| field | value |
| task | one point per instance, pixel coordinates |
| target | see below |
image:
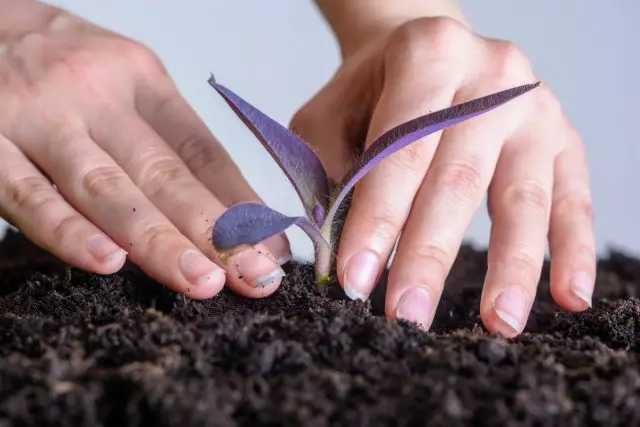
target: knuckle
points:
(510, 63)
(433, 257)
(411, 158)
(301, 119)
(97, 65)
(199, 152)
(30, 193)
(161, 172)
(64, 227)
(576, 206)
(158, 235)
(463, 180)
(587, 249)
(103, 181)
(548, 104)
(524, 265)
(387, 222)
(529, 195)
(422, 38)
(143, 59)
(61, 20)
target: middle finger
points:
(444, 206)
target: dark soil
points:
(83, 350)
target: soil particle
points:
(78, 349)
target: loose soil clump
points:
(79, 349)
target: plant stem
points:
(323, 264)
(323, 253)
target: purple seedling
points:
(246, 224)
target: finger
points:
(182, 198)
(29, 201)
(98, 188)
(382, 200)
(176, 123)
(519, 205)
(170, 185)
(448, 198)
(336, 120)
(571, 234)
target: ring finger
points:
(444, 206)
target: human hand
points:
(136, 172)
(527, 156)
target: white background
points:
(277, 53)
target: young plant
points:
(250, 223)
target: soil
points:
(85, 350)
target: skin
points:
(137, 175)
(405, 59)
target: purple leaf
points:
(251, 223)
(413, 130)
(296, 159)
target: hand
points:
(525, 154)
(136, 172)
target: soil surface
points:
(78, 349)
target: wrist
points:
(357, 23)
(23, 16)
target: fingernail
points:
(198, 269)
(257, 269)
(278, 245)
(582, 286)
(105, 250)
(360, 275)
(416, 305)
(510, 307)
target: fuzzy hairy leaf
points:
(416, 129)
(251, 223)
(296, 159)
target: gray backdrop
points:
(277, 53)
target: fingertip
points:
(360, 274)
(207, 286)
(201, 278)
(506, 311)
(261, 292)
(416, 305)
(573, 290)
(107, 257)
(254, 272)
(112, 263)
